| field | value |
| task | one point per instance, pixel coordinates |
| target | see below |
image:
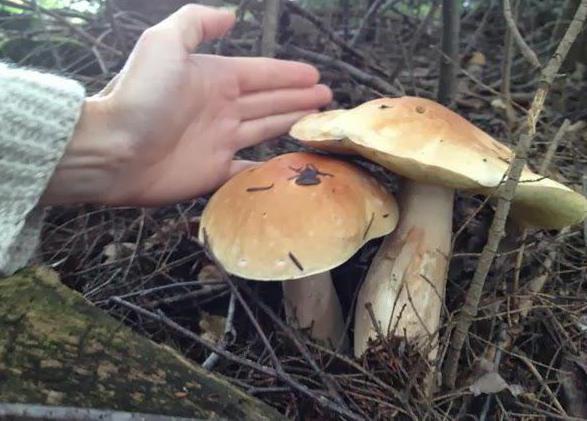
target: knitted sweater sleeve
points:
(38, 114)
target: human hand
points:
(168, 126)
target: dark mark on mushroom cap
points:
(295, 260)
(255, 189)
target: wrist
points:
(93, 157)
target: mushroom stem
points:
(312, 303)
(406, 281)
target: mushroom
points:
(294, 218)
(437, 151)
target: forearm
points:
(38, 115)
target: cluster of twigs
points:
(525, 319)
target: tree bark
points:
(56, 349)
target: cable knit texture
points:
(38, 114)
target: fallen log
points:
(57, 349)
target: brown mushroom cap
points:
(272, 223)
(427, 142)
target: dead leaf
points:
(492, 382)
(488, 383)
(116, 251)
(212, 326)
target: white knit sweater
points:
(38, 114)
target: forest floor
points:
(518, 363)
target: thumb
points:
(196, 23)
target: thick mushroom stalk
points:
(311, 304)
(406, 282)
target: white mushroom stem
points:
(312, 303)
(406, 281)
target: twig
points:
(299, 10)
(480, 28)
(527, 52)
(228, 332)
(451, 27)
(562, 130)
(332, 36)
(506, 71)
(540, 280)
(540, 379)
(415, 40)
(469, 310)
(279, 374)
(377, 4)
(83, 34)
(372, 81)
(19, 411)
(304, 350)
(204, 292)
(300, 345)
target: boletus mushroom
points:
(294, 218)
(437, 151)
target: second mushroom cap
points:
(427, 142)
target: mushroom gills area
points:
(311, 304)
(406, 282)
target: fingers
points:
(255, 131)
(264, 104)
(260, 74)
(194, 24)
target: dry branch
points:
(505, 194)
(447, 83)
(527, 52)
(370, 80)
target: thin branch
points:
(229, 334)
(282, 375)
(447, 82)
(506, 194)
(540, 379)
(375, 7)
(318, 23)
(415, 39)
(506, 71)
(370, 80)
(527, 52)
